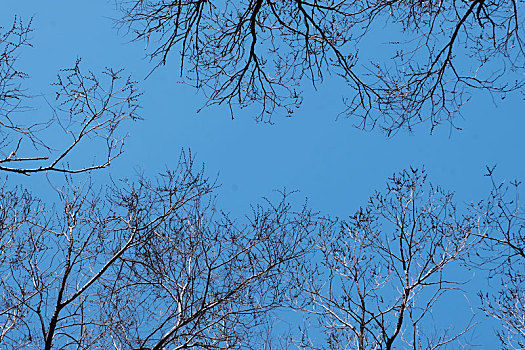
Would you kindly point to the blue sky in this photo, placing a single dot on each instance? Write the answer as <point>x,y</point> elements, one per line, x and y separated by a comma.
<point>333,164</point>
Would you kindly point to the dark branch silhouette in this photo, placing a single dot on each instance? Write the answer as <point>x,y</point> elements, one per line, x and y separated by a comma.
<point>261,52</point>
<point>90,107</point>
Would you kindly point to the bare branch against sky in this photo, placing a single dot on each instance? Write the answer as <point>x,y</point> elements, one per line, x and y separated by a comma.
<point>261,52</point>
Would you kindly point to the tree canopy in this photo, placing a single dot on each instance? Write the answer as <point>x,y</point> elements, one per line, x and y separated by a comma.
<point>262,51</point>
<point>160,261</point>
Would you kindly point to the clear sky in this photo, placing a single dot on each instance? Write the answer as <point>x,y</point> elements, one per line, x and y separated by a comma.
<point>333,164</point>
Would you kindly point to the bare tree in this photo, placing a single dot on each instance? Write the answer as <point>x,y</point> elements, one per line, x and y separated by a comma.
<point>149,265</point>
<point>259,51</point>
<point>154,264</point>
<point>89,107</point>
<point>381,274</point>
<point>502,254</point>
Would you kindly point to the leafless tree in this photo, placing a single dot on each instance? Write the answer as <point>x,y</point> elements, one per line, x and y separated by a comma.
<point>89,107</point>
<point>502,254</point>
<point>148,265</point>
<point>381,274</point>
<point>260,51</point>
<point>154,264</point>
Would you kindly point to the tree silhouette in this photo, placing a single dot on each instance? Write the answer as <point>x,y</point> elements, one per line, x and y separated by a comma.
<point>89,106</point>
<point>260,51</point>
